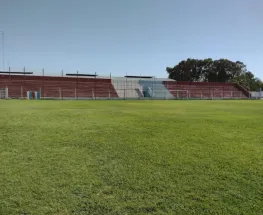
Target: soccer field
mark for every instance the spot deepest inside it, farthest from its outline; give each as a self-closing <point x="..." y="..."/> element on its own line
<point x="131" y="157"/>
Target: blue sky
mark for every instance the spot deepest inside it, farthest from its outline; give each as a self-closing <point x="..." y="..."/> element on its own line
<point x="134" y="37"/>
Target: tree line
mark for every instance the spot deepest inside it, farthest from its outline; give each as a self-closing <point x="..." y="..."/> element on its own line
<point x="209" y="70"/>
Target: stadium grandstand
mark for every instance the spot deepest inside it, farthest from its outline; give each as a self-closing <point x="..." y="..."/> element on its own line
<point x="92" y="86"/>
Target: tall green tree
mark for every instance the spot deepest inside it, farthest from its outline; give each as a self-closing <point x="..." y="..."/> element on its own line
<point x="208" y="70"/>
<point x="249" y="81"/>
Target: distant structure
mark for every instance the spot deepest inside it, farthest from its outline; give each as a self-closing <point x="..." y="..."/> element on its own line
<point x="92" y="86"/>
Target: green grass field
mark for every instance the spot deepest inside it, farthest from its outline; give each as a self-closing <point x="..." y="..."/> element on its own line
<point x="131" y="157"/>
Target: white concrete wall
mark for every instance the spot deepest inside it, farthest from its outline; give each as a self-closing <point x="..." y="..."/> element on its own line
<point x="127" y="88"/>
<point x="255" y="94"/>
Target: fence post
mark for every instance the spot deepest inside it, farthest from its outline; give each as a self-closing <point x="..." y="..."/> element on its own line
<point x="213" y="90"/>
<point x="6" y="93"/>
<point x="60" y="93"/>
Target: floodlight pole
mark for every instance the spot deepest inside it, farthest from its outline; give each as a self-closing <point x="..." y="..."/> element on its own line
<point x="125" y="87"/>
<point x="77" y="84"/>
<point x="95" y="85"/>
<point x="3" y="48"/>
<point x="110" y="85"/>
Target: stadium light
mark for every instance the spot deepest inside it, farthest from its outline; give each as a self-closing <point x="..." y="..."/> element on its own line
<point x="3" y="48"/>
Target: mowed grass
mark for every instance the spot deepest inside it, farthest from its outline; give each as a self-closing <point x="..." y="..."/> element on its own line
<point x="131" y="157"/>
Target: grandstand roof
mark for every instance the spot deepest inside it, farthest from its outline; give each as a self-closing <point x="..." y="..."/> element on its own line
<point x="153" y="78"/>
<point x="81" y="75"/>
<point x="16" y="73"/>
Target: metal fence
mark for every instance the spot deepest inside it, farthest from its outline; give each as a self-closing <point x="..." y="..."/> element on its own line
<point x="91" y="86"/>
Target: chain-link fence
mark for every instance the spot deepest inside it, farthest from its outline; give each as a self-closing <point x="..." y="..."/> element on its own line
<point x="91" y="86"/>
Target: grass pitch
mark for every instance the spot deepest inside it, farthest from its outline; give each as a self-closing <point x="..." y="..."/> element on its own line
<point x="131" y="157"/>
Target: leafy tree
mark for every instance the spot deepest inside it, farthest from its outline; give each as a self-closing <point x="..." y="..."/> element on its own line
<point x="208" y="70"/>
<point x="249" y="81"/>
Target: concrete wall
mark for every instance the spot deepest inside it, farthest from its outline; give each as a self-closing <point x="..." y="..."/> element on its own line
<point x="255" y="94"/>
